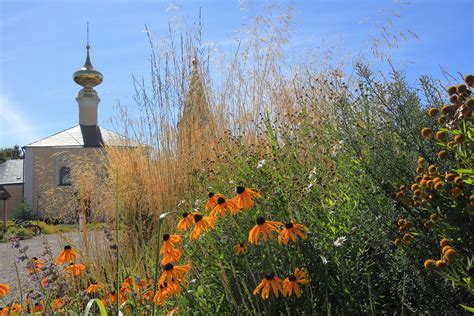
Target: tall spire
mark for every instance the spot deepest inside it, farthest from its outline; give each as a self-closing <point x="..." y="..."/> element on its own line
<point x="88" y="77"/>
<point x="196" y="116"/>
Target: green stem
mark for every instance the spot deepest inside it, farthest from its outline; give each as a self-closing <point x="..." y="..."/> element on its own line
<point x="117" y="262"/>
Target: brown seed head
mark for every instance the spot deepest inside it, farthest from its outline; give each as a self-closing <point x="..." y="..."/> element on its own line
<point x="429" y="264"/>
<point x="453" y="99"/>
<point x="442" y="154"/>
<point x="459" y="138"/>
<point x="433" y="112"/>
<point x="451" y="90"/>
<point x="441" y="264"/>
<point x="434" y="217"/>
<point x="469" y="80"/>
<point x="428" y="224"/>
<point x="445" y="248"/>
<point x="426" y="133"/>
<point x="441" y="135"/>
<point x="446" y="109"/>
<point x="461" y="88"/>
<point x="444" y="242"/>
<point x="450" y="255"/>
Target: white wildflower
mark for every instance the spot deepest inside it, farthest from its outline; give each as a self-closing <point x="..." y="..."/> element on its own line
<point x="340" y="241"/>
<point x="324" y="260"/>
<point x="261" y="163"/>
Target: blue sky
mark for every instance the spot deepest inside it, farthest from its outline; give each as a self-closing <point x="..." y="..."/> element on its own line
<point x="42" y="44"/>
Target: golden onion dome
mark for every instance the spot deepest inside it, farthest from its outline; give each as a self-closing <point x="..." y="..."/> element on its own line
<point x="87" y="76"/>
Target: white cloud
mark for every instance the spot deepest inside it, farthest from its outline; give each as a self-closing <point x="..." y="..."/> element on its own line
<point x="15" y="128"/>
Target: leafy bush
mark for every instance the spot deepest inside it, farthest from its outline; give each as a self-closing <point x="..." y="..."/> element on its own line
<point x="19" y="232"/>
<point x="23" y="212"/>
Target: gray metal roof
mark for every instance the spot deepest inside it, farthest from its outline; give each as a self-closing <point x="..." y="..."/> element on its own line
<point x="11" y="172"/>
<point x="83" y="136"/>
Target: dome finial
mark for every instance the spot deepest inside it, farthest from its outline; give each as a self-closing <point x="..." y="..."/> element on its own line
<point x="87" y="76"/>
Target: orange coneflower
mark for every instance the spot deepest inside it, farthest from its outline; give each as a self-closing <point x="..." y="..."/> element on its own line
<point x="57" y="304"/>
<point x="67" y="255"/>
<point x="170" y="254"/>
<point x="173" y="273"/>
<point x="291" y="283"/>
<point x="270" y="281"/>
<point x="265" y="228"/>
<point x="186" y="221"/>
<point x="244" y="197"/>
<point x="13" y="309"/>
<point x="44" y="282"/>
<point x="35" y="265"/>
<point x="128" y="284"/>
<point x="164" y="291"/>
<point x="112" y="297"/>
<point x="291" y="231"/>
<point x="169" y="241"/>
<point x="93" y="288"/>
<point x="240" y="248"/>
<point x="224" y="205"/>
<point x="4" y="289"/>
<point x="142" y="284"/>
<point x="75" y="269"/>
<point x="147" y="296"/>
<point x="212" y="201"/>
<point x="201" y="224"/>
<point x="37" y="308"/>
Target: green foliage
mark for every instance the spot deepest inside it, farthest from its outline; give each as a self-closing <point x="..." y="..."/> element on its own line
<point x="23" y="212"/>
<point x="10" y="153"/>
<point x="20" y="232"/>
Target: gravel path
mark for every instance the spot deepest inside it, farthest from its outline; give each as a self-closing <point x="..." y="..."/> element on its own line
<point x="35" y="249"/>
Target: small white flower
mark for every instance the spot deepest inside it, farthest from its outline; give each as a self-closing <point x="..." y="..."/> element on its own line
<point x="231" y="181"/>
<point x="312" y="173"/>
<point x="324" y="260"/>
<point x="261" y="163"/>
<point x="197" y="202"/>
<point x="340" y="241"/>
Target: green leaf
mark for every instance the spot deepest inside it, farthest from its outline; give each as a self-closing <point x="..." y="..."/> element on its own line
<point x="102" y="310"/>
<point x="469" y="309"/>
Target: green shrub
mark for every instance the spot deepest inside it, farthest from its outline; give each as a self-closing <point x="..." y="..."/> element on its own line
<point x="20" y="232"/>
<point x="23" y="212"/>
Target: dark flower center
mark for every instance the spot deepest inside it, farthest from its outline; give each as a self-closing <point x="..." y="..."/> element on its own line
<point x="260" y="221"/>
<point x="197" y="218"/>
<point x="241" y="245"/>
<point x="289" y="225"/>
<point x="270" y="276"/>
<point x="292" y="278"/>
<point x="34" y="258"/>
<point x="211" y="194"/>
<point x="168" y="267"/>
<point x="240" y="190"/>
<point x="165" y="284"/>
<point x="185" y="214"/>
<point x="220" y="200"/>
<point x="67" y="247"/>
<point x="166" y="237"/>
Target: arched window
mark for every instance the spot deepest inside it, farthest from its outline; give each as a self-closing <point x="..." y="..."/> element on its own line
<point x="65" y="176"/>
